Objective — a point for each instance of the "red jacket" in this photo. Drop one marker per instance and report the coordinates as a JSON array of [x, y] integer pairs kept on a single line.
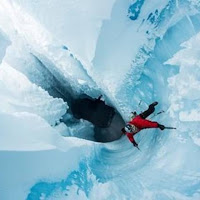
[[140, 123]]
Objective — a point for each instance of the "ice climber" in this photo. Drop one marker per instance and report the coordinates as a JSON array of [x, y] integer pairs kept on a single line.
[[140, 122]]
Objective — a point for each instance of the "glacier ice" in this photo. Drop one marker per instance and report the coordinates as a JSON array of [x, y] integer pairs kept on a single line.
[[4, 41], [130, 51]]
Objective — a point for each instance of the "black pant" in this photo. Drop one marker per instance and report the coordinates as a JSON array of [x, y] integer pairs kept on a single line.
[[147, 112]]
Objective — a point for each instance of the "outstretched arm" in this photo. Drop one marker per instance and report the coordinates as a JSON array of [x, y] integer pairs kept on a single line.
[[131, 138], [149, 124]]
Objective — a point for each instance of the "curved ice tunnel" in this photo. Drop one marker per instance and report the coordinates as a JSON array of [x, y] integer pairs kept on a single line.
[[106, 120], [167, 167]]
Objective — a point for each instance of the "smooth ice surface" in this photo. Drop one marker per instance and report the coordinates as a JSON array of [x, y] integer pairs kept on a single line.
[[4, 42], [133, 52]]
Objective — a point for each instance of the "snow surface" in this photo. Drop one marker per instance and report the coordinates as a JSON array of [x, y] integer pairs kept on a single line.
[[133, 52]]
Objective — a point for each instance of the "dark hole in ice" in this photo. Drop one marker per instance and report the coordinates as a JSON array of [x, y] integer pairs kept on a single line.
[[108, 122]]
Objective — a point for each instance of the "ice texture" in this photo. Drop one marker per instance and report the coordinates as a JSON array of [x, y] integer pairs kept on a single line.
[[133, 52]]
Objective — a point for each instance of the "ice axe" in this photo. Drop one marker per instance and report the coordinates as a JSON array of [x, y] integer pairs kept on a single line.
[[138, 148], [162, 111], [167, 127]]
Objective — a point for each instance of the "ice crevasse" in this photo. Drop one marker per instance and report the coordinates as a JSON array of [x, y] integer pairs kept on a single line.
[[133, 52]]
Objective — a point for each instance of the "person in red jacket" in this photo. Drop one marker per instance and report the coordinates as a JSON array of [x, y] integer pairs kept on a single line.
[[140, 122]]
